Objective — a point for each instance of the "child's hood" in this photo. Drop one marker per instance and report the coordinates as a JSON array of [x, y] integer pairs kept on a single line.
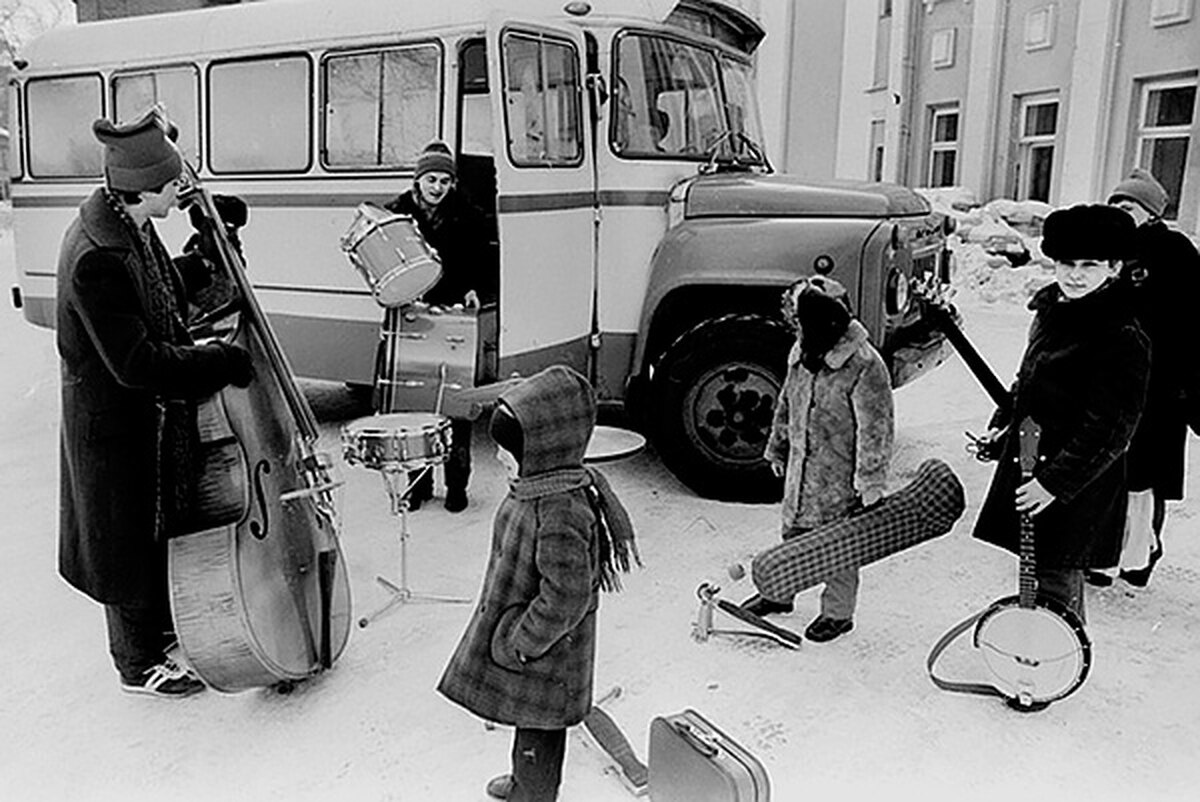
[[557, 412]]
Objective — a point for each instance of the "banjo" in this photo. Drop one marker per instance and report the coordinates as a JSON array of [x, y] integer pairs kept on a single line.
[[1036, 649]]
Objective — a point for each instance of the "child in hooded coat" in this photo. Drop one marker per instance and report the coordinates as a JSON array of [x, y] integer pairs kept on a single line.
[[832, 434], [559, 537]]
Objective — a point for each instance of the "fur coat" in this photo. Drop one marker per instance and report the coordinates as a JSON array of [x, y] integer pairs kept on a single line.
[[833, 430], [1083, 380]]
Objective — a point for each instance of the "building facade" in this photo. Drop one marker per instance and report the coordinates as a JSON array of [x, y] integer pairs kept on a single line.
[[1025, 99]]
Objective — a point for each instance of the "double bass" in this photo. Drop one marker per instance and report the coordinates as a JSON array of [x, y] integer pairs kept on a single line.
[[259, 590]]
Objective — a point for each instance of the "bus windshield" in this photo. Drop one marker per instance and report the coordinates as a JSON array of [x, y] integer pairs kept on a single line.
[[678, 100]]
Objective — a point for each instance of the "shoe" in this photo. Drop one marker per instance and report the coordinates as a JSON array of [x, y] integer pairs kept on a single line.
[[825, 629], [167, 679], [456, 500], [762, 607], [500, 787], [420, 491], [1097, 578], [1140, 577]]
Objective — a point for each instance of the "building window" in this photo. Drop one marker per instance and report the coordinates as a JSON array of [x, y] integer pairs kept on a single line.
[[1168, 110], [943, 147], [1170, 12], [1039, 28], [1038, 123], [875, 163]]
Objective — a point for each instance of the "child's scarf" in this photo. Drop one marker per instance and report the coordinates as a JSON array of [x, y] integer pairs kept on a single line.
[[615, 538]]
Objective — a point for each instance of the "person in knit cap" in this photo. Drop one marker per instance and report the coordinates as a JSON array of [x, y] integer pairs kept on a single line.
[[559, 537], [458, 231], [131, 380], [1162, 276], [832, 435], [1082, 379]]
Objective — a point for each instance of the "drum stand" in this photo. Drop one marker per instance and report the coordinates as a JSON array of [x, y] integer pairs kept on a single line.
[[395, 479]]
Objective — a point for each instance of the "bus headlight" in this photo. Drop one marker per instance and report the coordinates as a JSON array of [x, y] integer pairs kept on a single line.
[[897, 293], [677, 203]]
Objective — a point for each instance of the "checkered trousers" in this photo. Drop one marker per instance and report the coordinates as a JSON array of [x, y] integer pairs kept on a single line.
[[925, 508]]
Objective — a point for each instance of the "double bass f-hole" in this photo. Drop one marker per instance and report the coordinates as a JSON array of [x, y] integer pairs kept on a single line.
[[257, 529]]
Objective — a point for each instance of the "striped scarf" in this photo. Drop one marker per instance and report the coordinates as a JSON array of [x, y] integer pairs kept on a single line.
[[615, 538]]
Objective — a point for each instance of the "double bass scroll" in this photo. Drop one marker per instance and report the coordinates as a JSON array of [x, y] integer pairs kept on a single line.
[[259, 590]]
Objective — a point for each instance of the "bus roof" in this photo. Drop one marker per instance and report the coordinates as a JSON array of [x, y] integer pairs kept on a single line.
[[248, 28]]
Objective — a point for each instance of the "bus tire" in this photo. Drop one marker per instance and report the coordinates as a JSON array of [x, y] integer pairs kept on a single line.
[[714, 392]]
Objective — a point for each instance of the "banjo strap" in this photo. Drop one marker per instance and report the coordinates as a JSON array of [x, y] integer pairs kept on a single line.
[[979, 688]]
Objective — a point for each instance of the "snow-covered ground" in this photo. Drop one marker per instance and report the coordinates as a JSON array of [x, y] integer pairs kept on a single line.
[[853, 719]]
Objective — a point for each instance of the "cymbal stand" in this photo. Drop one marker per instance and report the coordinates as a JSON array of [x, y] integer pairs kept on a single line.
[[395, 480]]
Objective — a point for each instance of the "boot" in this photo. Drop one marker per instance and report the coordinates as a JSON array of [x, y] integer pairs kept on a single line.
[[761, 606], [456, 499], [500, 787]]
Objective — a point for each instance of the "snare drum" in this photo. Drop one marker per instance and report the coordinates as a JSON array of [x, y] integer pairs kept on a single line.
[[398, 441], [391, 255]]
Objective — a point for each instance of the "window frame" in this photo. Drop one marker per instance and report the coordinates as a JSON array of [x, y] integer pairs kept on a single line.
[[1027, 144], [947, 146], [542, 38], [102, 96], [323, 84], [309, 112], [181, 65], [1144, 133]]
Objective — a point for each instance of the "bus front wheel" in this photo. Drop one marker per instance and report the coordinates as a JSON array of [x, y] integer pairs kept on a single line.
[[714, 393]]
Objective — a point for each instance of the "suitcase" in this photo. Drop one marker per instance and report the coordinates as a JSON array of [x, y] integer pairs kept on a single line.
[[693, 761]]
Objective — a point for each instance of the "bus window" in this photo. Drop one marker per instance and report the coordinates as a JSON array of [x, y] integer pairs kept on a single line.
[[382, 107], [60, 115], [476, 115], [259, 115], [542, 102], [173, 89], [742, 105], [673, 105]]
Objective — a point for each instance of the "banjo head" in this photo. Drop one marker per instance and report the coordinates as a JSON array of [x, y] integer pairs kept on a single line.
[[1037, 654]]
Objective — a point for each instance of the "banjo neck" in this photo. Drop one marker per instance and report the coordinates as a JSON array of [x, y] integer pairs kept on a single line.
[[1029, 434]]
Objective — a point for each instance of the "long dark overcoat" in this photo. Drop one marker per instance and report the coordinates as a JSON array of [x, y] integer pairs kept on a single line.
[[1164, 280], [1083, 379], [114, 371], [541, 589]]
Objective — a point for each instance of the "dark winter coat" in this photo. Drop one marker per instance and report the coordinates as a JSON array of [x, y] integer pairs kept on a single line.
[[1164, 281], [1083, 380], [115, 370], [460, 234], [526, 658], [833, 430]]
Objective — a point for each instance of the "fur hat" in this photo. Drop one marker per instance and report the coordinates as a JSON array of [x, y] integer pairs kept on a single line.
[[506, 430], [1144, 189], [436, 157], [819, 308], [138, 156], [1088, 231]]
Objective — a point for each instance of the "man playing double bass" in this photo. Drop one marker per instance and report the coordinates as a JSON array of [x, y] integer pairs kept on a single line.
[[131, 377]]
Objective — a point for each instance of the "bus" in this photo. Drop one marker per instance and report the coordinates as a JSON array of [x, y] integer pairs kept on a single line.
[[640, 232]]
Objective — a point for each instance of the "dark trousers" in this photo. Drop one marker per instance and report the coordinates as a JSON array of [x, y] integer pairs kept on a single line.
[[537, 761], [457, 468], [138, 635], [1064, 585]]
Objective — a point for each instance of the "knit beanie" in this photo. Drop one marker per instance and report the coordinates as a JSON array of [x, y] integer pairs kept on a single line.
[[138, 156], [506, 430], [1144, 189], [1088, 231], [436, 157]]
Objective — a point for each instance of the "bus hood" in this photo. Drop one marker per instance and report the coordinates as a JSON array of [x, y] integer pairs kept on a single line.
[[754, 195]]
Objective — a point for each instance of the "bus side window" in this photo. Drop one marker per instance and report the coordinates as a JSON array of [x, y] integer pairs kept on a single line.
[[60, 115], [175, 90], [543, 112]]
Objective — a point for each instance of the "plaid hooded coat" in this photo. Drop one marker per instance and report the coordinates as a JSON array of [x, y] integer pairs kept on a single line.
[[526, 658]]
